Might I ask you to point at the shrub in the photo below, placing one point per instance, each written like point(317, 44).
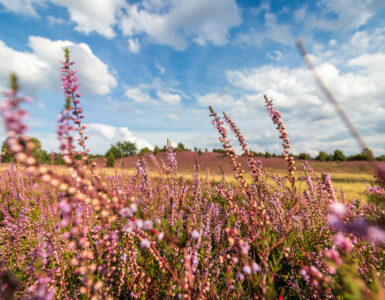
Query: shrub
point(126, 148)
point(110, 160)
point(156, 150)
point(144, 151)
point(339, 155)
point(322, 156)
point(304, 156)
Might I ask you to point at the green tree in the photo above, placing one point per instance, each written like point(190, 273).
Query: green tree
point(58, 159)
point(126, 148)
point(368, 154)
point(115, 152)
point(110, 160)
point(6, 155)
point(144, 150)
point(41, 155)
point(339, 155)
point(304, 156)
point(267, 154)
point(181, 147)
point(322, 156)
point(156, 150)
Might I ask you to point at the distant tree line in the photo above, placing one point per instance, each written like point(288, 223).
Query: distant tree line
point(337, 155)
point(126, 148)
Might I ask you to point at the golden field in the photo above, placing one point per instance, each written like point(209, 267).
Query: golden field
point(353, 182)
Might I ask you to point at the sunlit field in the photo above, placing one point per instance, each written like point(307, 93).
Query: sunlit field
point(235, 227)
point(354, 186)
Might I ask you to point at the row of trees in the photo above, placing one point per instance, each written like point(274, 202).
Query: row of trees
point(338, 155)
point(40, 154)
point(126, 148)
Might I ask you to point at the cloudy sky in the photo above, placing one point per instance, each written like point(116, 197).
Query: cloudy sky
point(149, 68)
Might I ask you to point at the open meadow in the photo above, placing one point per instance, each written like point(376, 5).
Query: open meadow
point(91, 207)
point(351, 178)
point(160, 231)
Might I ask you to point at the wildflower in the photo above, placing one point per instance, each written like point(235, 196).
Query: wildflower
point(96, 229)
point(240, 276)
point(343, 242)
point(255, 268)
point(381, 171)
point(139, 223)
point(133, 207)
point(195, 234)
point(335, 222)
point(126, 212)
point(302, 272)
point(160, 236)
point(332, 270)
point(334, 256)
point(147, 225)
point(129, 227)
point(337, 208)
point(145, 244)
point(244, 247)
point(246, 270)
point(65, 207)
point(375, 234)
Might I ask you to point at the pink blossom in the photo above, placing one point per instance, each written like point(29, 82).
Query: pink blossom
point(195, 234)
point(145, 244)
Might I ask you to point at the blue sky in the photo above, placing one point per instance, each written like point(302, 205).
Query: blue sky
point(149, 69)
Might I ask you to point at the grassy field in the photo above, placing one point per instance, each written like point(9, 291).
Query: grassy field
point(353, 184)
point(351, 179)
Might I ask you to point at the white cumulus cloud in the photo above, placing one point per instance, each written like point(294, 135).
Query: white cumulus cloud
point(168, 97)
point(305, 108)
point(347, 14)
point(24, 7)
point(89, 15)
point(133, 45)
point(40, 68)
point(102, 136)
point(164, 93)
point(166, 22)
point(138, 95)
point(174, 23)
point(93, 15)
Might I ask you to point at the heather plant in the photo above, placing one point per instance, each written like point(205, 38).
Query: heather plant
point(84, 235)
